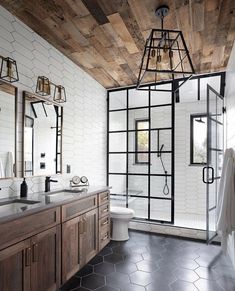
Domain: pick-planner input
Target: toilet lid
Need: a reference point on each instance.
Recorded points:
(120, 210)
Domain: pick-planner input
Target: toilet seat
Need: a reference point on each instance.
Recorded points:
(121, 212)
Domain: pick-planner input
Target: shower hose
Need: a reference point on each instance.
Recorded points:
(166, 190)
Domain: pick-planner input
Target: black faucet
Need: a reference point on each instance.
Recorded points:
(48, 183)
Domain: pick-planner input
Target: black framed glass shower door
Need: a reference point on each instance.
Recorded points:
(146, 187)
(215, 150)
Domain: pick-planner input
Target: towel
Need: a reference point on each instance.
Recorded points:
(226, 199)
(2, 172)
(9, 165)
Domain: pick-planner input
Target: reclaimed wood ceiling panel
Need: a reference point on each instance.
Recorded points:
(106, 37)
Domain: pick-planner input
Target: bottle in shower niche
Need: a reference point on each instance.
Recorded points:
(23, 189)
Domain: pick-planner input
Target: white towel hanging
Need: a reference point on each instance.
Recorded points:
(226, 199)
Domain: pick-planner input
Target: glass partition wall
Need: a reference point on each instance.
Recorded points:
(154, 143)
(140, 152)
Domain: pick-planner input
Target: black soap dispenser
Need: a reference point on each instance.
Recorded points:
(23, 189)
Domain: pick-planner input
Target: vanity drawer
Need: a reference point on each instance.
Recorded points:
(104, 210)
(104, 224)
(79, 207)
(19, 229)
(103, 198)
(104, 238)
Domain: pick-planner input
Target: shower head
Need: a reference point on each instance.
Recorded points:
(200, 120)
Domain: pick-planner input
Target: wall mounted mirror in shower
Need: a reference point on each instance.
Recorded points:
(42, 138)
(8, 128)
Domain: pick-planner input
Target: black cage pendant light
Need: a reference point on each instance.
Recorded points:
(166, 56)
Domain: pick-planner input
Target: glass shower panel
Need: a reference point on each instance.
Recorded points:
(118, 190)
(161, 139)
(161, 117)
(161, 97)
(188, 92)
(117, 120)
(117, 100)
(117, 163)
(137, 185)
(214, 82)
(140, 206)
(138, 98)
(137, 115)
(160, 209)
(160, 186)
(160, 165)
(117, 142)
(137, 168)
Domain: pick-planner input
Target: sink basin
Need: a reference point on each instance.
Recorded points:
(16, 205)
(58, 196)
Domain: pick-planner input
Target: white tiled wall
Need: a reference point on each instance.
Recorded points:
(84, 131)
(230, 106)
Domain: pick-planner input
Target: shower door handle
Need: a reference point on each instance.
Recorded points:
(212, 177)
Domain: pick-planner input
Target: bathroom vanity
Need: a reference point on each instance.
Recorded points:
(46, 242)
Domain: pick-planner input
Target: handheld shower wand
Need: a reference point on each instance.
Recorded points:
(166, 190)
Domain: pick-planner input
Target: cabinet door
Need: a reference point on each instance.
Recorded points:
(15, 267)
(46, 260)
(90, 238)
(72, 235)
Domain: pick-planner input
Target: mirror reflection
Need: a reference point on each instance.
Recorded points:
(42, 136)
(8, 103)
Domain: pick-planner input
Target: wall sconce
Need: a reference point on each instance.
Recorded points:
(9, 71)
(43, 88)
(59, 94)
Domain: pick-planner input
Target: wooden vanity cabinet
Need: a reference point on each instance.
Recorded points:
(33, 264)
(15, 267)
(46, 260)
(79, 242)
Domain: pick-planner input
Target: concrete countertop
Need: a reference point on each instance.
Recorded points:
(45, 201)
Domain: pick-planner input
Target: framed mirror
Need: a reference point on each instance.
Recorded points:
(42, 136)
(8, 130)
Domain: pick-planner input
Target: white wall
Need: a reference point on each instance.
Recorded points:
(84, 130)
(230, 105)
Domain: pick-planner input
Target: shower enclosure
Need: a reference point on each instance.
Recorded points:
(149, 142)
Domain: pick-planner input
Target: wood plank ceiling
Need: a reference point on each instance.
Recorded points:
(106, 37)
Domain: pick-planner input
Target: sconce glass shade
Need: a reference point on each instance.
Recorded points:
(9, 71)
(43, 86)
(59, 94)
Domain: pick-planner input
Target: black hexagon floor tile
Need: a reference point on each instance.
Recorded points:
(104, 268)
(179, 285)
(149, 262)
(117, 280)
(133, 287)
(86, 270)
(186, 275)
(133, 257)
(141, 278)
(107, 288)
(96, 260)
(126, 267)
(113, 258)
(147, 266)
(93, 281)
(207, 285)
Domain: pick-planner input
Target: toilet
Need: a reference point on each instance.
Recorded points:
(120, 217)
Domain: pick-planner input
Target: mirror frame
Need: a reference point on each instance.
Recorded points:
(14, 90)
(27, 95)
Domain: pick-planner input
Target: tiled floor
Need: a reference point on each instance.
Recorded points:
(148, 262)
